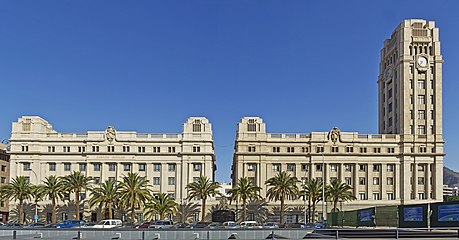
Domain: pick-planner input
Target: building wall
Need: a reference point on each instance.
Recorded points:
(4, 178)
(169, 161)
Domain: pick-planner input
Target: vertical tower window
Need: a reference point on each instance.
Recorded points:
(197, 125)
(252, 126)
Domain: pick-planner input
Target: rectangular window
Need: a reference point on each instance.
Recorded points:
(349, 149)
(390, 196)
(376, 181)
(421, 84)
(157, 167)
(391, 150)
(376, 196)
(421, 99)
(141, 149)
(291, 167)
(333, 167)
(156, 149)
(195, 179)
(142, 167)
(362, 196)
(250, 167)
(377, 150)
(421, 195)
(390, 93)
(347, 167)
(422, 114)
(52, 167)
(276, 167)
(3, 168)
(196, 149)
(112, 167)
(362, 167)
(334, 149)
(390, 167)
(25, 148)
(66, 149)
(276, 149)
(390, 181)
(420, 180)
(376, 167)
(304, 167)
(390, 107)
(67, 167)
(348, 181)
(82, 196)
(319, 149)
(112, 179)
(363, 150)
(319, 167)
(81, 149)
(197, 167)
(171, 167)
(251, 148)
(110, 148)
(51, 149)
(127, 167)
(362, 181)
(421, 168)
(171, 180)
(290, 149)
(156, 181)
(421, 129)
(82, 167)
(97, 180)
(96, 167)
(432, 100)
(305, 149)
(95, 148)
(126, 149)
(171, 149)
(26, 166)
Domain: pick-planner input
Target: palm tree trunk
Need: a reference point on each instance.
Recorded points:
(77, 205)
(282, 211)
(133, 213)
(313, 212)
(21, 211)
(203, 210)
(53, 214)
(110, 211)
(335, 205)
(244, 209)
(309, 209)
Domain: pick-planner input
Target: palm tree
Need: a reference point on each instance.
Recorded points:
(281, 187)
(37, 193)
(338, 191)
(134, 192)
(76, 182)
(244, 190)
(105, 195)
(162, 204)
(19, 189)
(203, 188)
(53, 189)
(312, 189)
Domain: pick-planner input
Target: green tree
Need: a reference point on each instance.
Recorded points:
(134, 192)
(106, 195)
(203, 188)
(281, 187)
(244, 190)
(162, 205)
(337, 191)
(312, 189)
(76, 183)
(53, 189)
(19, 189)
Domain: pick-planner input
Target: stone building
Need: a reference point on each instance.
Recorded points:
(169, 161)
(4, 177)
(402, 164)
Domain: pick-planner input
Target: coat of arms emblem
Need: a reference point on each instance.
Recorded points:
(110, 133)
(334, 135)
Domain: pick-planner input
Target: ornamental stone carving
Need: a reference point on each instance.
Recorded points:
(110, 134)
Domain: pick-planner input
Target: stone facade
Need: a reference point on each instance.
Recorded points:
(401, 165)
(169, 161)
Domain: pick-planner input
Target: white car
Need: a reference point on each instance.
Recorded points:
(108, 223)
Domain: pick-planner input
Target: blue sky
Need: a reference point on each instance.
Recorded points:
(148, 65)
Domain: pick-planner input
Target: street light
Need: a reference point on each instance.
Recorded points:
(35, 217)
(323, 187)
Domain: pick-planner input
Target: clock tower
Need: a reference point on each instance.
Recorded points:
(410, 81)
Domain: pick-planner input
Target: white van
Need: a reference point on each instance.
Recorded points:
(249, 224)
(109, 223)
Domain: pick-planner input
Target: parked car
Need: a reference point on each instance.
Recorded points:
(294, 225)
(215, 225)
(180, 225)
(316, 225)
(71, 224)
(143, 225)
(13, 225)
(36, 225)
(230, 224)
(270, 225)
(249, 224)
(162, 224)
(109, 223)
(199, 225)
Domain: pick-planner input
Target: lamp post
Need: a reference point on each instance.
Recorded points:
(323, 186)
(35, 217)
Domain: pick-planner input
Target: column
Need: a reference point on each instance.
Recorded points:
(427, 181)
(369, 182)
(398, 183)
(415, 181)
(341, 172)
(383, 181)
(355, 179)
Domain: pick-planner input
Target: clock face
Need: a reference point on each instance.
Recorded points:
(422, 61)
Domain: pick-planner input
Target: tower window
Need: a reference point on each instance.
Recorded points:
(197, 125)
(421, 129)
(252, 126)
(421, 114)
(422, 84)
(422, 99)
